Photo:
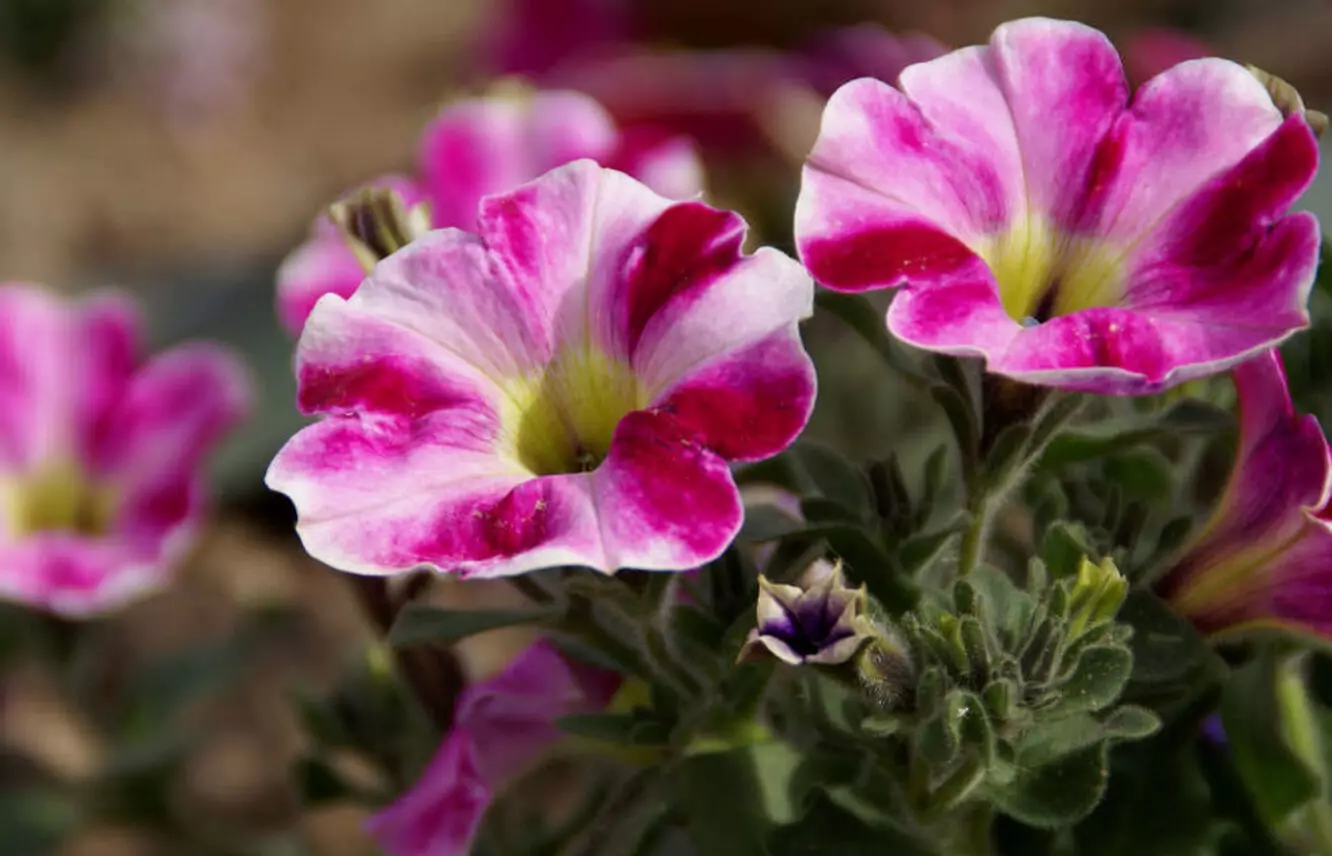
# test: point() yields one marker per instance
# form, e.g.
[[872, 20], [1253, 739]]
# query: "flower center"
[[562, 419], [1044, 273], [60, 499]]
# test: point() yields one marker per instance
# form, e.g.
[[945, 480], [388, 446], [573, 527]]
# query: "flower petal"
[[79, 577], [1190, 124], [487, 145], [322, 265], [670, 166], [666, 502], [963, 317], [442, 812]]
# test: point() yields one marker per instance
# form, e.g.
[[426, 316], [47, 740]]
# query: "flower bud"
[[820, 620], [376, 223], [1287, 99], [1097, 595]]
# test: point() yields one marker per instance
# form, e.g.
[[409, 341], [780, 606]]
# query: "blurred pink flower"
[[1265, 556], [480, 146], [1036, 217], [564, 387], [505, 725], [1151, 50], [100, 453]]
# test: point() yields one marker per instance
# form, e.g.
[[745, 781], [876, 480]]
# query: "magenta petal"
[[670, 165], [676, 505], [78, 577], [748, 404], [440, 815], [962, 317], [493, 144]]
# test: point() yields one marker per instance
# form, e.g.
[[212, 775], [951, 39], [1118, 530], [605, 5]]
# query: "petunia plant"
[[1065, 589]]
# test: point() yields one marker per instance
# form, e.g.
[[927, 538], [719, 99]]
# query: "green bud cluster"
[[1016, 695]]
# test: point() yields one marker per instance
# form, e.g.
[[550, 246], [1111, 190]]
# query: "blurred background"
[[178, 149]]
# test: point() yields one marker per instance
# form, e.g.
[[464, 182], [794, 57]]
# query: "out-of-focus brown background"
[[178, 148]]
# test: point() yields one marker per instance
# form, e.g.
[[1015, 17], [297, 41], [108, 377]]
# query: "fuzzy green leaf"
[[1058, 794], [1098, 678], [834, 477], [419, 623]]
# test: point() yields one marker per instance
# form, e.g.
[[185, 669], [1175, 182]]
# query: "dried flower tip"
[[376, 223], [1287, 99]]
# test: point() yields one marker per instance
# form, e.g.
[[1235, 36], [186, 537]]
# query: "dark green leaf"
[[828, 828], [733, 799], [1142, 473], [1097, 679], [836, 478], [1057, 794], [419, 623], [320, 784], [1278, 780], [628, 729], [919, 551], [1166, 648], [961, 418], [1063, 548]]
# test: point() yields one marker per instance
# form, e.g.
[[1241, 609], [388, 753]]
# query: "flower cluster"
[[547, 357]]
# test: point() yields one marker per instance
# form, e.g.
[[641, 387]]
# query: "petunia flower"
[[564, 387], [476, 147], [1036, 216], [1265, 556], [505, 726], [100, 452], [821, 620]]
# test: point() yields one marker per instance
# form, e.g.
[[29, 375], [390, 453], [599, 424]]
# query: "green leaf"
[[319, 784], [1008, 452], [1057, 794], [960, 417], [920, 550], [1142, 473], [769, 523], [419, 623], [733, 799], [1063, 547], [1277, 779], [1166, 648], [828, 828], [836, 478], [1097, 680], [629, 729], [35, 822], [1130, 722], [867, 321]]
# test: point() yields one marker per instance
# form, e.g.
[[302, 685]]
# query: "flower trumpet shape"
[[564, 387], [1265, 556], [505, 725], [476, 147], [821, 620], [100, 453], [1038, 217]]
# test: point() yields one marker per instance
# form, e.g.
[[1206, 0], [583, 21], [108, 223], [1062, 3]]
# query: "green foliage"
[[419, 623]]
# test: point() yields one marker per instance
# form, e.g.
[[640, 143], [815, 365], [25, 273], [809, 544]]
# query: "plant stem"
[[973, 537], [432, 672]]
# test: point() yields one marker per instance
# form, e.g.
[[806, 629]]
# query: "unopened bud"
[[886, 671], [820, 620], [376, 223], [1287, 99], [1097, 595]]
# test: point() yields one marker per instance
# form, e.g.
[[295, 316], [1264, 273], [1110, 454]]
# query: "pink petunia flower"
[[479, 146], [1265, 556], [564, 387], [100, 452], [504, 727], [1036, 216]]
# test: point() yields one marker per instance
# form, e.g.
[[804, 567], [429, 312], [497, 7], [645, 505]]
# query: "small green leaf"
[[1063, 548], [419, 623], [1057, 794], [1130, 722], [1142, 473], [835, 478], [1098, 678], [919, 551], [733, 799]]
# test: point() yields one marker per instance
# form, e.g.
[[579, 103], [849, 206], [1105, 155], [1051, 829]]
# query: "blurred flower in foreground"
[[1265, 557], [480, 146], [100, 453], [1148, 51], [505, 725], [1036, 219], [565, 387], [820, 620]]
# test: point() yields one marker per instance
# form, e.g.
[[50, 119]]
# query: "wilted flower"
[[1039, 219], [563, 388], [477, 147], [821, 620], [1265, 557], [100, 452], [505, 725]]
